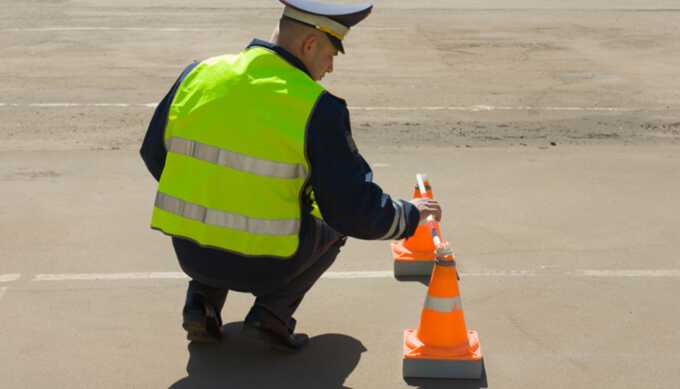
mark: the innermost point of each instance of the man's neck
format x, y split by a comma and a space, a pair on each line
283, 52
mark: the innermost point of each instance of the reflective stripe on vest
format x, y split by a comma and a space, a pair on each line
223, 219
443, 304
234, 160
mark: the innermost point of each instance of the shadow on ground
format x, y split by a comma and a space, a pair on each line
425, 280
429, 383
240, 363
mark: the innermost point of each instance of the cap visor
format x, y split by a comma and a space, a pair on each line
336, 42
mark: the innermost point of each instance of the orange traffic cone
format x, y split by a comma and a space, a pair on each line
414, 256
442, 347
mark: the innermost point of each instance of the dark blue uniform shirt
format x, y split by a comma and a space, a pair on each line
351, 203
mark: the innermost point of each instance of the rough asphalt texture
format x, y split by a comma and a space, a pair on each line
551, 134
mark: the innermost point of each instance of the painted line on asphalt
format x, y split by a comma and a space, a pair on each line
178, 275
501, 273
110, 276
90, 28
489, 108
2, 291
78, 105
358, 274
9, 277
470, 108
606, 273
150, 29
632, 273
654, 273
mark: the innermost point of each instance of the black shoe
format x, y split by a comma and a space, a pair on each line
266, 327
202, 323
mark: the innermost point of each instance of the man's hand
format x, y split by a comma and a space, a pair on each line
428, 207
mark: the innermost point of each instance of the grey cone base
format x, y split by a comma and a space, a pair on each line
412, 268
437, 368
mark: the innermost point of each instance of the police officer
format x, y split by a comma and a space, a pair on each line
260, 181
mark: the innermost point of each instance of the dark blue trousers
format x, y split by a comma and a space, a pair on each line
279, 285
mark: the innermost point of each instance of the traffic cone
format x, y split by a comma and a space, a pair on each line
414, 256
442, 347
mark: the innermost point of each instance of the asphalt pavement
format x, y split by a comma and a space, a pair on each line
550, 133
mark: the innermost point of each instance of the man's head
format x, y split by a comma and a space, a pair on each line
313, 31
313, 47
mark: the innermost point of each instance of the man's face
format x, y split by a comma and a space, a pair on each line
318, 54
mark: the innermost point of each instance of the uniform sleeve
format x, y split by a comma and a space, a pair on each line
342, 180
153, 150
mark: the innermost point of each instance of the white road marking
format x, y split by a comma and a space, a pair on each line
78, 105
380, 164
489, 108
672, 273
9, 277
500, 273
358, 274
89, 28
177, 275
109, 276
470, 108
2, 291
632, 273
151, 29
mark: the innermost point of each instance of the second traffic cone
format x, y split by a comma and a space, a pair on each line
442, 347
414, 256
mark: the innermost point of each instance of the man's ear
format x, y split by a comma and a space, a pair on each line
309, 43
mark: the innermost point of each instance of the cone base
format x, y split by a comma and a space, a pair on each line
401, 252
412, 267
435, 363
442, 368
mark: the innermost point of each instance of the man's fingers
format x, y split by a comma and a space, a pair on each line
433, 211
428, 207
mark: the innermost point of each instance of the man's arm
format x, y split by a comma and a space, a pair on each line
343, 184
153, 150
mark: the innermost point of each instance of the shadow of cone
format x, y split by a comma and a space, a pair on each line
414, 256
442, 347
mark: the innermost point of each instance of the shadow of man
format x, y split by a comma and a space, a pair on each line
240, 363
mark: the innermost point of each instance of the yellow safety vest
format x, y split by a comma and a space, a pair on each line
236, 167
